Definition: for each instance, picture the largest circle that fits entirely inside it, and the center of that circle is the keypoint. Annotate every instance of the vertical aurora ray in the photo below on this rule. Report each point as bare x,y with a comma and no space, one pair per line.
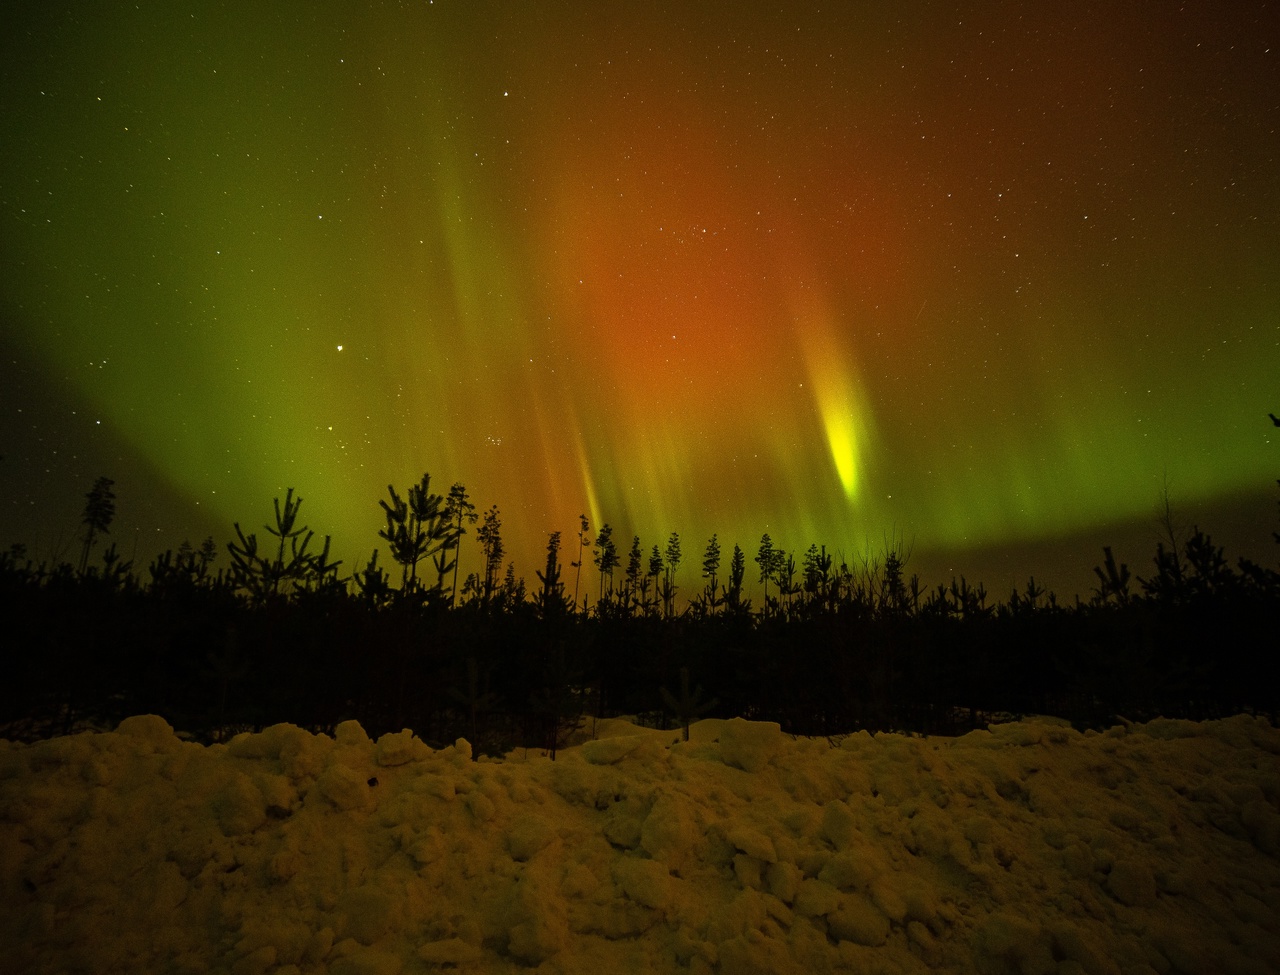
845,416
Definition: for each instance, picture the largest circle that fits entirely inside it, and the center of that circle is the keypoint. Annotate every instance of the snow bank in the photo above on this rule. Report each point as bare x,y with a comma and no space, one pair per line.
1027,849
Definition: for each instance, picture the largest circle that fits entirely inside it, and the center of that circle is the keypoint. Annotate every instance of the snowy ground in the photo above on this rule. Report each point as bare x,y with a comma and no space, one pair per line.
1030,848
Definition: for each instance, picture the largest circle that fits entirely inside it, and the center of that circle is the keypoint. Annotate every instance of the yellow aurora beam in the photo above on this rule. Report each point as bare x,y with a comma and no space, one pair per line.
841,405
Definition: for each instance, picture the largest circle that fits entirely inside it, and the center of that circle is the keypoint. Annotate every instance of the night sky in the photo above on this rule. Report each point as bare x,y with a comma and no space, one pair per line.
986,279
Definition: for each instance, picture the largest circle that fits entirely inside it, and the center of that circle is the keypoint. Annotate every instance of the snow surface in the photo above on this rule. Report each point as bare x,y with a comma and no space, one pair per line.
1030,848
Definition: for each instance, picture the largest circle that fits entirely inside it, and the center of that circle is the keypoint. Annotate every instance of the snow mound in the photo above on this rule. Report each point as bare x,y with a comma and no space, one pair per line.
1028,849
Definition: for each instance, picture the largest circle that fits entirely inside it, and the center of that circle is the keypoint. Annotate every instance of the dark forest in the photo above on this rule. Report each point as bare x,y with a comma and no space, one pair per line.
280,634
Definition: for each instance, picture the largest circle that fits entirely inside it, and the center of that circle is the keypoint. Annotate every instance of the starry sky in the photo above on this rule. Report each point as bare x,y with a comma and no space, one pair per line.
984,279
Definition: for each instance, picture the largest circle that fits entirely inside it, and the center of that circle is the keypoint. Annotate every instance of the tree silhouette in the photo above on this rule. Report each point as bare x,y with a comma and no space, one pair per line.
417,529
673,559
99,511
584,539
893,594
279,636
187,567
634,571
606,558
817,573
372,582
785,573
766,558
287,534
550,599
262,576
205,557
512,593
710,569
1275,420
1113,581
489,535
320,573
459,510
407,545
655,571
737,574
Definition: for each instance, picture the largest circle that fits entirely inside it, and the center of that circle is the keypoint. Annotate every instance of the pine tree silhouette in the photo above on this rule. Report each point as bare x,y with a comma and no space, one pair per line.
584,539
634,571
767,560
459,510
99,511
372,582
893,588
406,546
655,572
512,593
669,587
786,575
262,576
606,558
490,537
710,569
1276,421
551,599
1113,581
817,573
416,529
737,575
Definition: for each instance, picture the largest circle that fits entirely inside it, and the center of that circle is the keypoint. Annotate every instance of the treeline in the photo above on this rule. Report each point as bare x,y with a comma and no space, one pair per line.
280,634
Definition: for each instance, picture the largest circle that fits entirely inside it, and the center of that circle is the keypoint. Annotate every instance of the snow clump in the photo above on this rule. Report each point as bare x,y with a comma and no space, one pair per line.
1029,849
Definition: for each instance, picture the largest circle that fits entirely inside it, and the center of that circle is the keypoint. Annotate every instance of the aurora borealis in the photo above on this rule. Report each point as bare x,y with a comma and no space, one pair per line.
983,276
